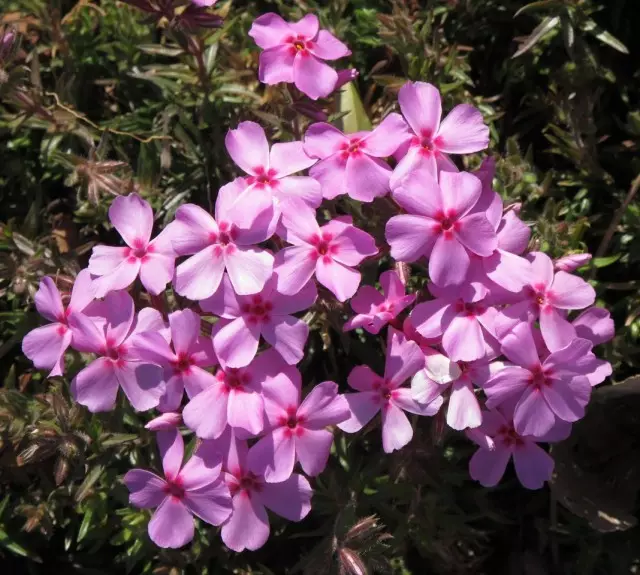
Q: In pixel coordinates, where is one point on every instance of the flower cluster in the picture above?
(491, 340)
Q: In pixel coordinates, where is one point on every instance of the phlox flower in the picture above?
(294, 53)
(183, 361)
(224, 243)
(462, 132)
(350, 164)
(45, 346)
(374, 393)
(194, 488)
(110, 332)
(440, 225)
(329, 252)
(234, 398)
(266, 314)
(116, 268)
(375, 310)
(269, 171)
(501, 442)
(296, 429)
(543, 390)
(248, 526)
(595, 324)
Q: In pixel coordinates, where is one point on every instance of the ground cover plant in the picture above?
(343, 287)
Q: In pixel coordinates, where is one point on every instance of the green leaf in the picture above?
(538, 6)
(604, 262)
(605, 37)
(355, 119)
(86, 523)
(541, 30)
(8, 543)
(158, 49)
(89, 482)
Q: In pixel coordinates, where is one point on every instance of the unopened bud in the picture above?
(350, 563)
(165, 422)
(346, 76)
(572, 262)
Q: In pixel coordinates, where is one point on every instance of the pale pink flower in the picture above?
(350, 163)
(153, 260)
(375, 310)
(227, 242)
(245, 319)
(329, 252)
(374, 393)
(296, 430)
(440, 225)
(462, 132)
(269, 171)
(45, 346)
(194, 488)
(294, 53)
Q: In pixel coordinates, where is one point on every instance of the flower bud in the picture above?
(165, 422)
(572, 262)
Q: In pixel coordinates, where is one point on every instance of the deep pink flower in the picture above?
(183, 362)
(462, 132)
(266, 314)
(329, 252)
(533, 464)
(296, 430)
(45, 346)
(233, 399)
(224, 243)
(374, 310)
(350, 164)
(440, 225)
(117, 268)
(294, 53)
(404, 359)
(248, 526)
(194, 488)
(109, 330)
(544, 390)
(269, 171)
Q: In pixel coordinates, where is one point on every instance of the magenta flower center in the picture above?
(258, 309)
(352, 148)
(539, 378)
(539, 294)
(174, 488)
(263, 177)
(507, 434)
(139, 251)
(246, 482)
(384, 389)
(182, 364)
(292, 421)
(234, 378)
(324, 247)
(469, 309)
(224, 239)
(299, 44)
(114, 353)
(448, 222)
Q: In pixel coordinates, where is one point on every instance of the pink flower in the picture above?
(269, 172)
(461, 132)
(351, 164)
(224, 243)
(248, 526)
(117, 268)
(233, 399)
(266, 314)
(109, 330)
(183, 362)
(296, 430)
(501, 442)
(595, 324)
(165, 421)
(328, 252)
(571, 262)
(375, 393)
(544, 391)
(45, 346)
(440, 225)
(191, 489)
(294, 52)
(374, 310)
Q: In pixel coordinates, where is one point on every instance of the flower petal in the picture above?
(246, 411)
(133, 218)
(248, 147)
(421, 107)
(463, 131)
(340, 280)
(571, 292)
(387, 136)
(288, 158)
(206, 413)
(248, 526)
(463, 340)
(449, 261)
(410, 237)
(533, 465)
(290, 499)
(363, 407)
(171, 525)
(367, 178)
(249, 269)
(312, 448)
(45, 347)
(487, 467)
(198, 277)
(276, 65)
(211, 503)
(96, 386)
(396, 428)
(269, 30)
(142, 383)
(288, 336)
(313, 77)
(171, 447)
(236, 343)
(323, 406)
(327, 47)
(274, 456)
(48, 301)
(146, 489)
(532, 415)
(464, 410)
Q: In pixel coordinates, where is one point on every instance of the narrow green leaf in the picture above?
(89, 482)
(541, 30)
(355, 119)
(86, 523)
(8, 543)
(533, 6)
(605, 37)
(604, 262)
(158, 49)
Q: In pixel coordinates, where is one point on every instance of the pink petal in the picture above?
(330, 172)
(391, 284)
(290, 499)
(203, 467)
(147, 490)
(449, 261)
(156, 272)
(236, 343)
(300, 222)
(206, 413)
(198, 277)
(367, 178)
(171, 525)
(288, 158)
(322, 140)
(463, 339)
(460, 192)
(312, 77)
(571, 292)
(211, 503)
(404, 399)
(302, 188)
(477, 235)
(82, 293)
(441, 369)
(150, 319)
(366, 298)
(288, 304)
(185, 329)
(340, 280)
(520, 348)
(426, 391)
(387, 137)
(513, 234)
(120, 316)
(559, 432)
(45, 347)
(533, 465)
(249, 268)
(96, 386)
(307, 26)
(353, 245)
(281, 392)
(542, 268)
(327, 47)
(323, 406)
(464, 410)
(363, 406)
(105, 260)
(595, 324)
(288, 336)
(488, 467)
(313, 447)
(532, 415)
(133, 218)
(410, 237)
(276, 65)
(569, 357)
(415, 160)
(193, 229)
(404, 358)
(420, 194)
(120, 278)
(463, 131)
(248, 147)
(269, 30)
(224, 302)
(87, 337)
(142, 383)
(274, 455)
(48, 301)
(421, 107)
(508, 270)
(362, 378)
(246, 411)
(293, 268)
(396, 428)
(248, 526)
(428, 317)
(562, 401)
(556, 330)
(171, 447)
(506, 385)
